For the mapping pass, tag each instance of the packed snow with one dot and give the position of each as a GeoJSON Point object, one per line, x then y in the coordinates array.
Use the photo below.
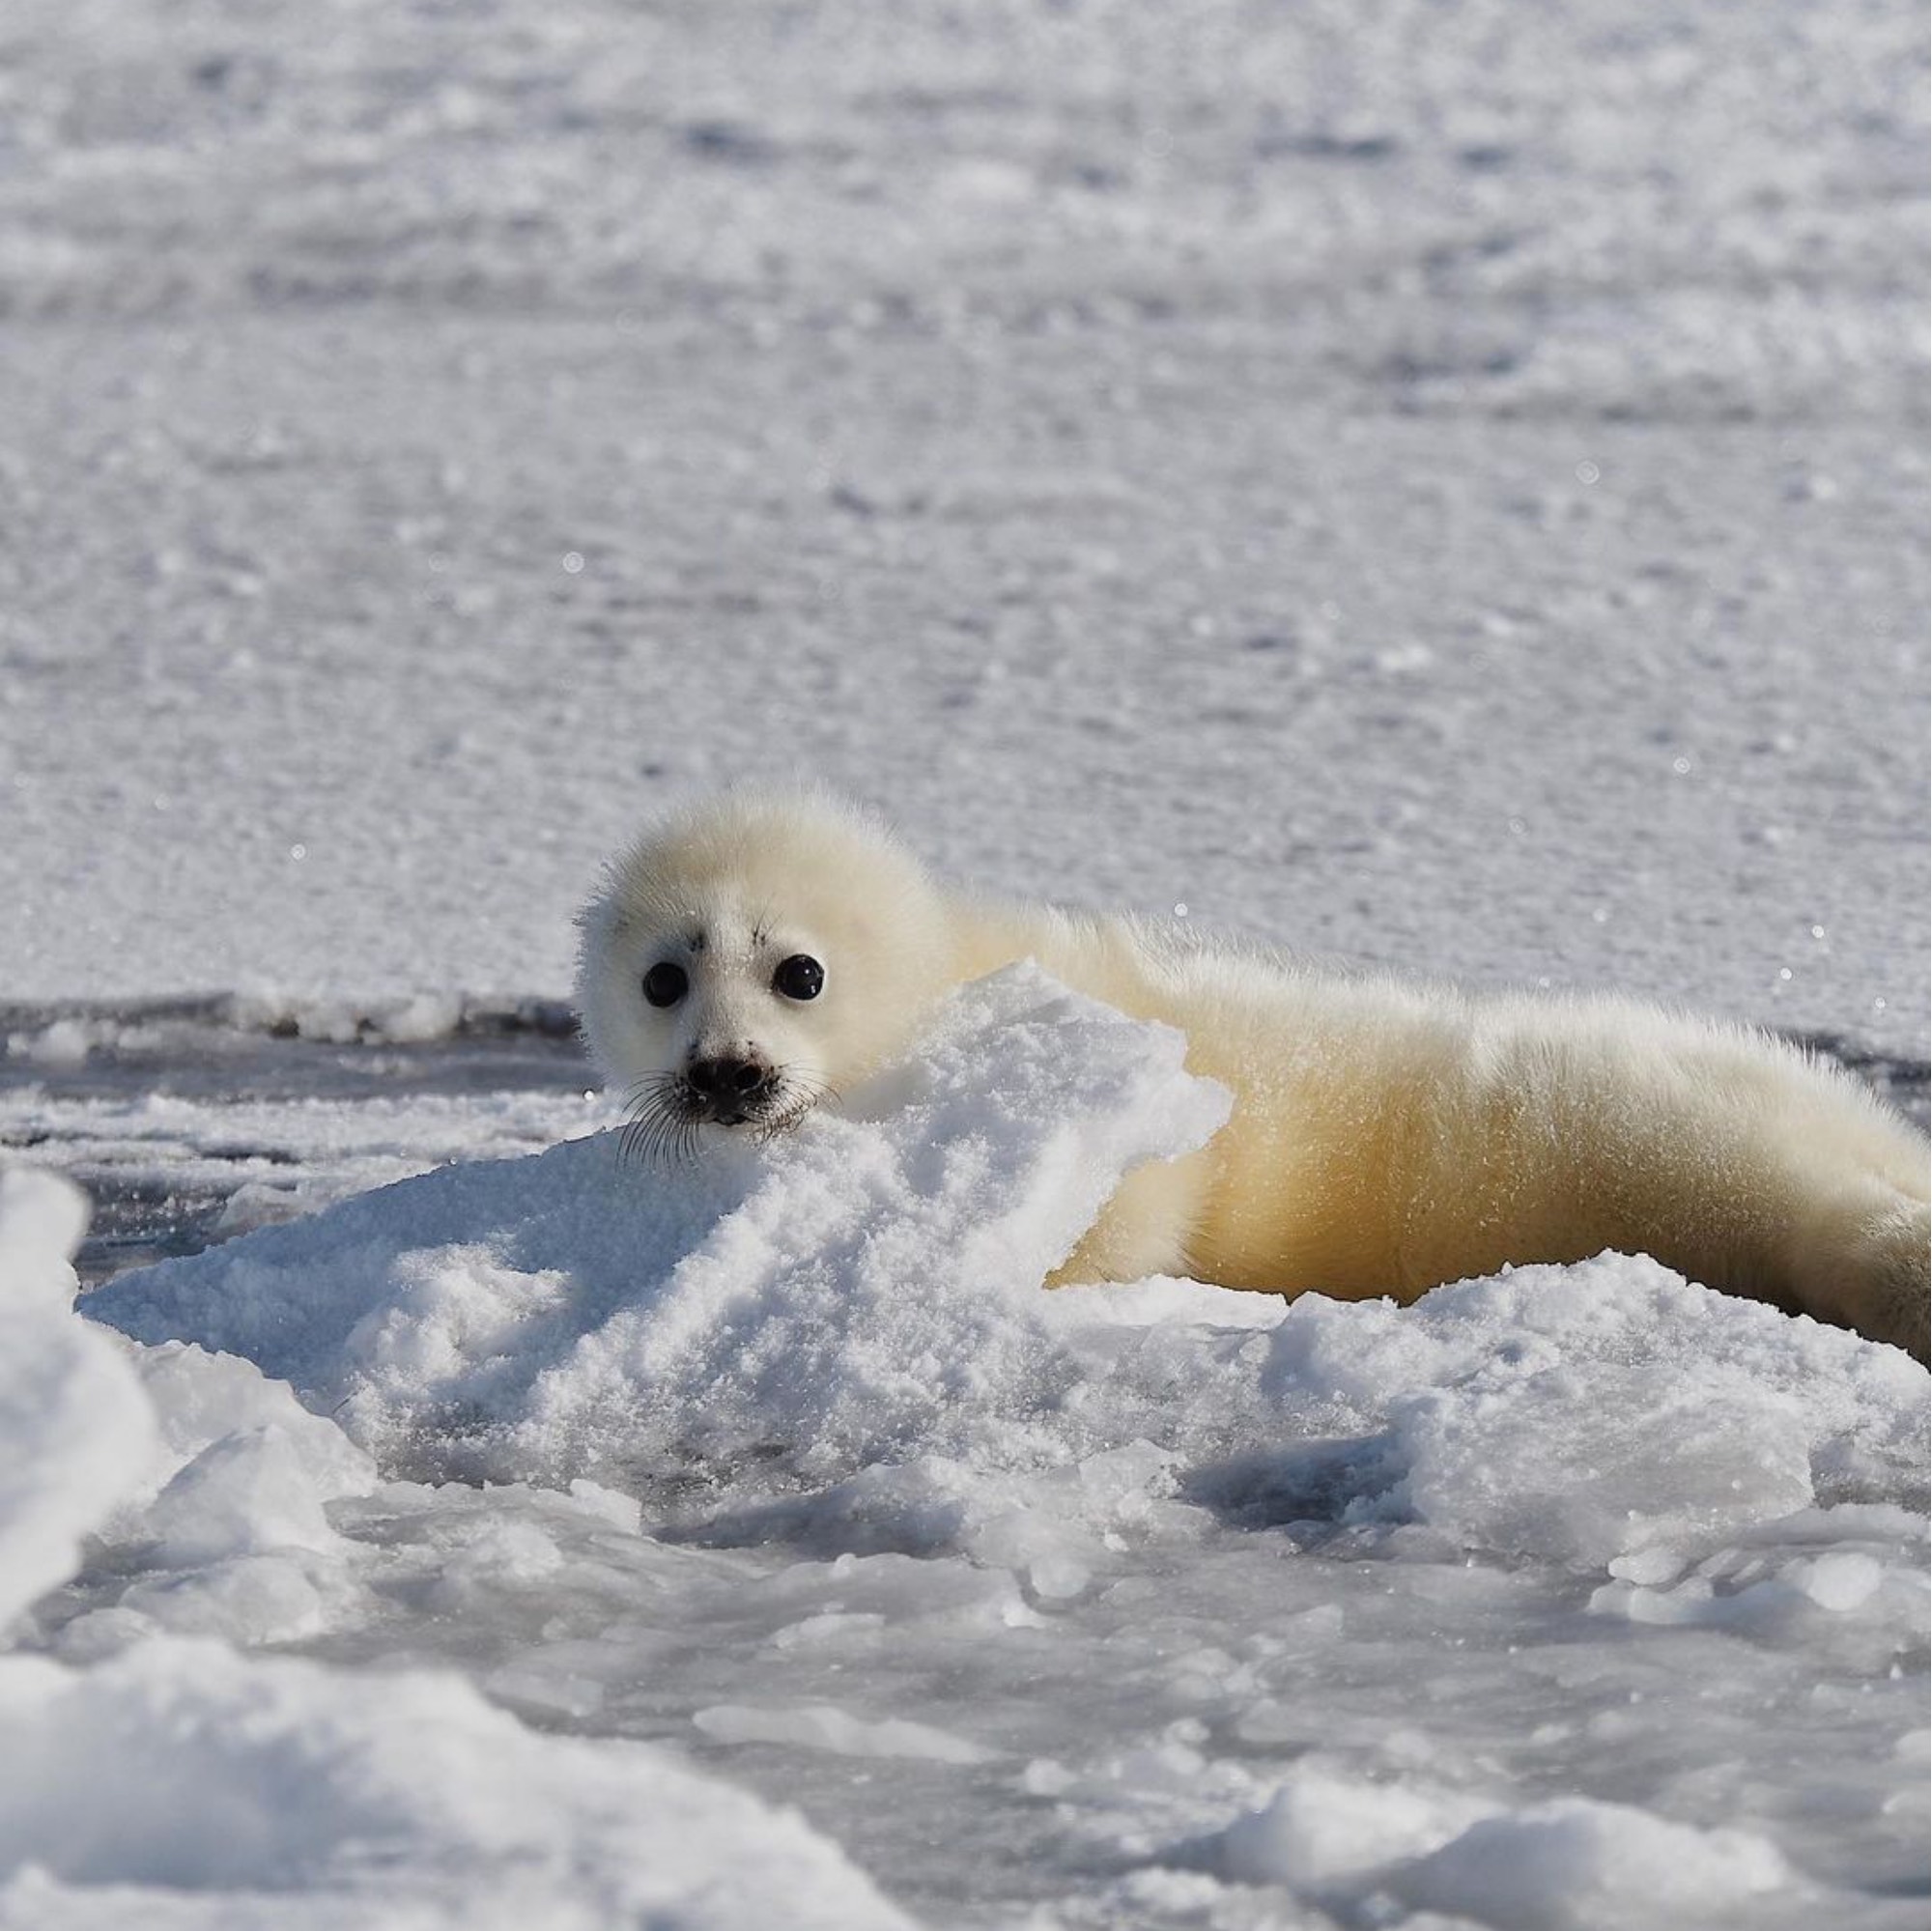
{"type": "Point", "coordinates": [1442, 484]}
{"type": "Point", "coordinates": [179, 1782]}
{"type": "Point", "coordinates": [785, 1458]}
{"type": "Point", "coordinates": [70, 1415]}
{"type": "Point", "coordinates": [182, 1784]}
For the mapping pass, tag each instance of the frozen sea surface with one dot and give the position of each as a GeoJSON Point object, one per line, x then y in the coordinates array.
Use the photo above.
{"type": "Point", "coordinates": [1429, 483]}
{"type": "Point", "coordinates": [1445, 485]}
{"type": "Point", "coordinates": [1577, 1596]}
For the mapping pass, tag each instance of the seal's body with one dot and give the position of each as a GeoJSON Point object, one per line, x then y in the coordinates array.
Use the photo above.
{"type": "Point", "coordinates": [751, 956]}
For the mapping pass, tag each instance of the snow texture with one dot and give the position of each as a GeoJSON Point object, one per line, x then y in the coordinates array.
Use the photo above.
{"type": "Point", "coordinates": [185, 1785]}
{"type": "Point", "coordinates": [75, 1431]}
{"type": "Point", "coordinates": [839, 1345]}
{"type": "Point", "coordinates": [1422, 483]}
{"type": "Point", "coordinates": [1444, 484]}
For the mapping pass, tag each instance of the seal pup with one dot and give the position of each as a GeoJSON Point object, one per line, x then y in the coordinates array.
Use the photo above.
{"type": "Point", "coordinates": [751, 957]}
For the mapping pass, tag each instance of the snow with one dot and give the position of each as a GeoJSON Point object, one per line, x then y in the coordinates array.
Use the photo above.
{"type": "Point", "coordinates": [854, 1286]}
{"type": "Point", "coordinates": [832, 1360]}
{"type": "Point", "coordinates": [1434, 484]}
{"type": "Point", "coordinates": [186, 1784]}
{"type": "Point", "coordinates": [1419, 485]}
{"type": "Point", "coordinates": [77, 1433]}
{"type": "Point", "coordinates": [1564, 1866]}
{"type": "Point", "coordinates": [182, 1784]}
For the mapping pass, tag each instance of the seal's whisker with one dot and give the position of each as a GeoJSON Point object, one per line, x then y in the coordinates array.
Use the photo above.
{"type": "Point", "coordinates": [660, 1128]}
{"type": "Point", "coordinates": [649, 1085]}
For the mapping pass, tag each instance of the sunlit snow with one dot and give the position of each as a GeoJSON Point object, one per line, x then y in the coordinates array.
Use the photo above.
{"type": "Point", "coordinates": [788, 1460]}
{"type": "Point", "coordinates": [1443, 484]}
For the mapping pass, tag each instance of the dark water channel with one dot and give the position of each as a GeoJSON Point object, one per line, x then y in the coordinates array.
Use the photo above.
{"type": "Point", "coordinates": [82, 1116]}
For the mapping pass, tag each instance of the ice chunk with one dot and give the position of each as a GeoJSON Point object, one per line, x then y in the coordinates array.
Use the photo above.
{"type": "Point", "coordinates": [1580, 1413]}
{"type": "Point", "coordinates": [1575, 1864]}
{"type": "Point", "coordinates": [818, 1726]}
{"type": "Point", "coordinates": [76, 1434]}
{"type": "Point", "coordinates": [1322, 1833]}
{"type": "Point", "coordinates": [865, 1284]}
{"type": "Point", "coordinates": [1568, 1864]}
{"type": "Point", "coordinates": [247, 1492]}
{"type": "Point", "coordinates": [183, 1785]}
{"type": "Point", "coordinates": [228, 1519]}
{"type": "Point", "coordinates": [201, 1399]}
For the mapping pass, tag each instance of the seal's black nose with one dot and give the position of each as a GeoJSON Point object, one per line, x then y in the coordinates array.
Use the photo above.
{"type": "Point", "coordinates": [727, 1079]}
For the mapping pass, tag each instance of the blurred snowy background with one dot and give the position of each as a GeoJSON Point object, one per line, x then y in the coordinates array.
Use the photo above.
{"type": "Point", "coordinates": [1444, 483]}
{"type": "Point", "coordinates": [1441, 482]}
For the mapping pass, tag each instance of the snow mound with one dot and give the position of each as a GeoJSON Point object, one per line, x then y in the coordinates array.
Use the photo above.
{"type": "Point", "coordinates": [1585, 1412]}
{"type": "Point", "coordinates": [868, 1285]}
{"type": "Point", "coordinates": [217, 1474]}
{"type": "Point", "coordinates": [1567, 1865]}
{"type": "Point", "coordinates": [76, 1433]}
{"type": "Point", "coordinates": [181, 1785]}
{"type": "Point", "coordinates": [841, 1340]}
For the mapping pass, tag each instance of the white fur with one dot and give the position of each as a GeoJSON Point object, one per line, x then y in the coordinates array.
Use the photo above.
{"type": "Point", "coordinates": [1388, 1135]}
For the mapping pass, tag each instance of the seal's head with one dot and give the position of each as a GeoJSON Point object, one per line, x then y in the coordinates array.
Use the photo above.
{"type": "Point", "coordinates": [751, 956]}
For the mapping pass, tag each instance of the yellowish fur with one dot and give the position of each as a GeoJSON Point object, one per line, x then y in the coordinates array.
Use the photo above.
{"type": "Point", "coordinates": [1386, 1135]}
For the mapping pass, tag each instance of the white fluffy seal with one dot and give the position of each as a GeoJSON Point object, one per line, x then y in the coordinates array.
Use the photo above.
{"type": "Point", "coordinates": [750, 957]}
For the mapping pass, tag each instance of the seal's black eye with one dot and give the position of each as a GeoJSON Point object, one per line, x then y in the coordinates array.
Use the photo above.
{"type": "Point", "coordinates": [799, 977]}
{"type": "Point", "coordinates": [665, 984]}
